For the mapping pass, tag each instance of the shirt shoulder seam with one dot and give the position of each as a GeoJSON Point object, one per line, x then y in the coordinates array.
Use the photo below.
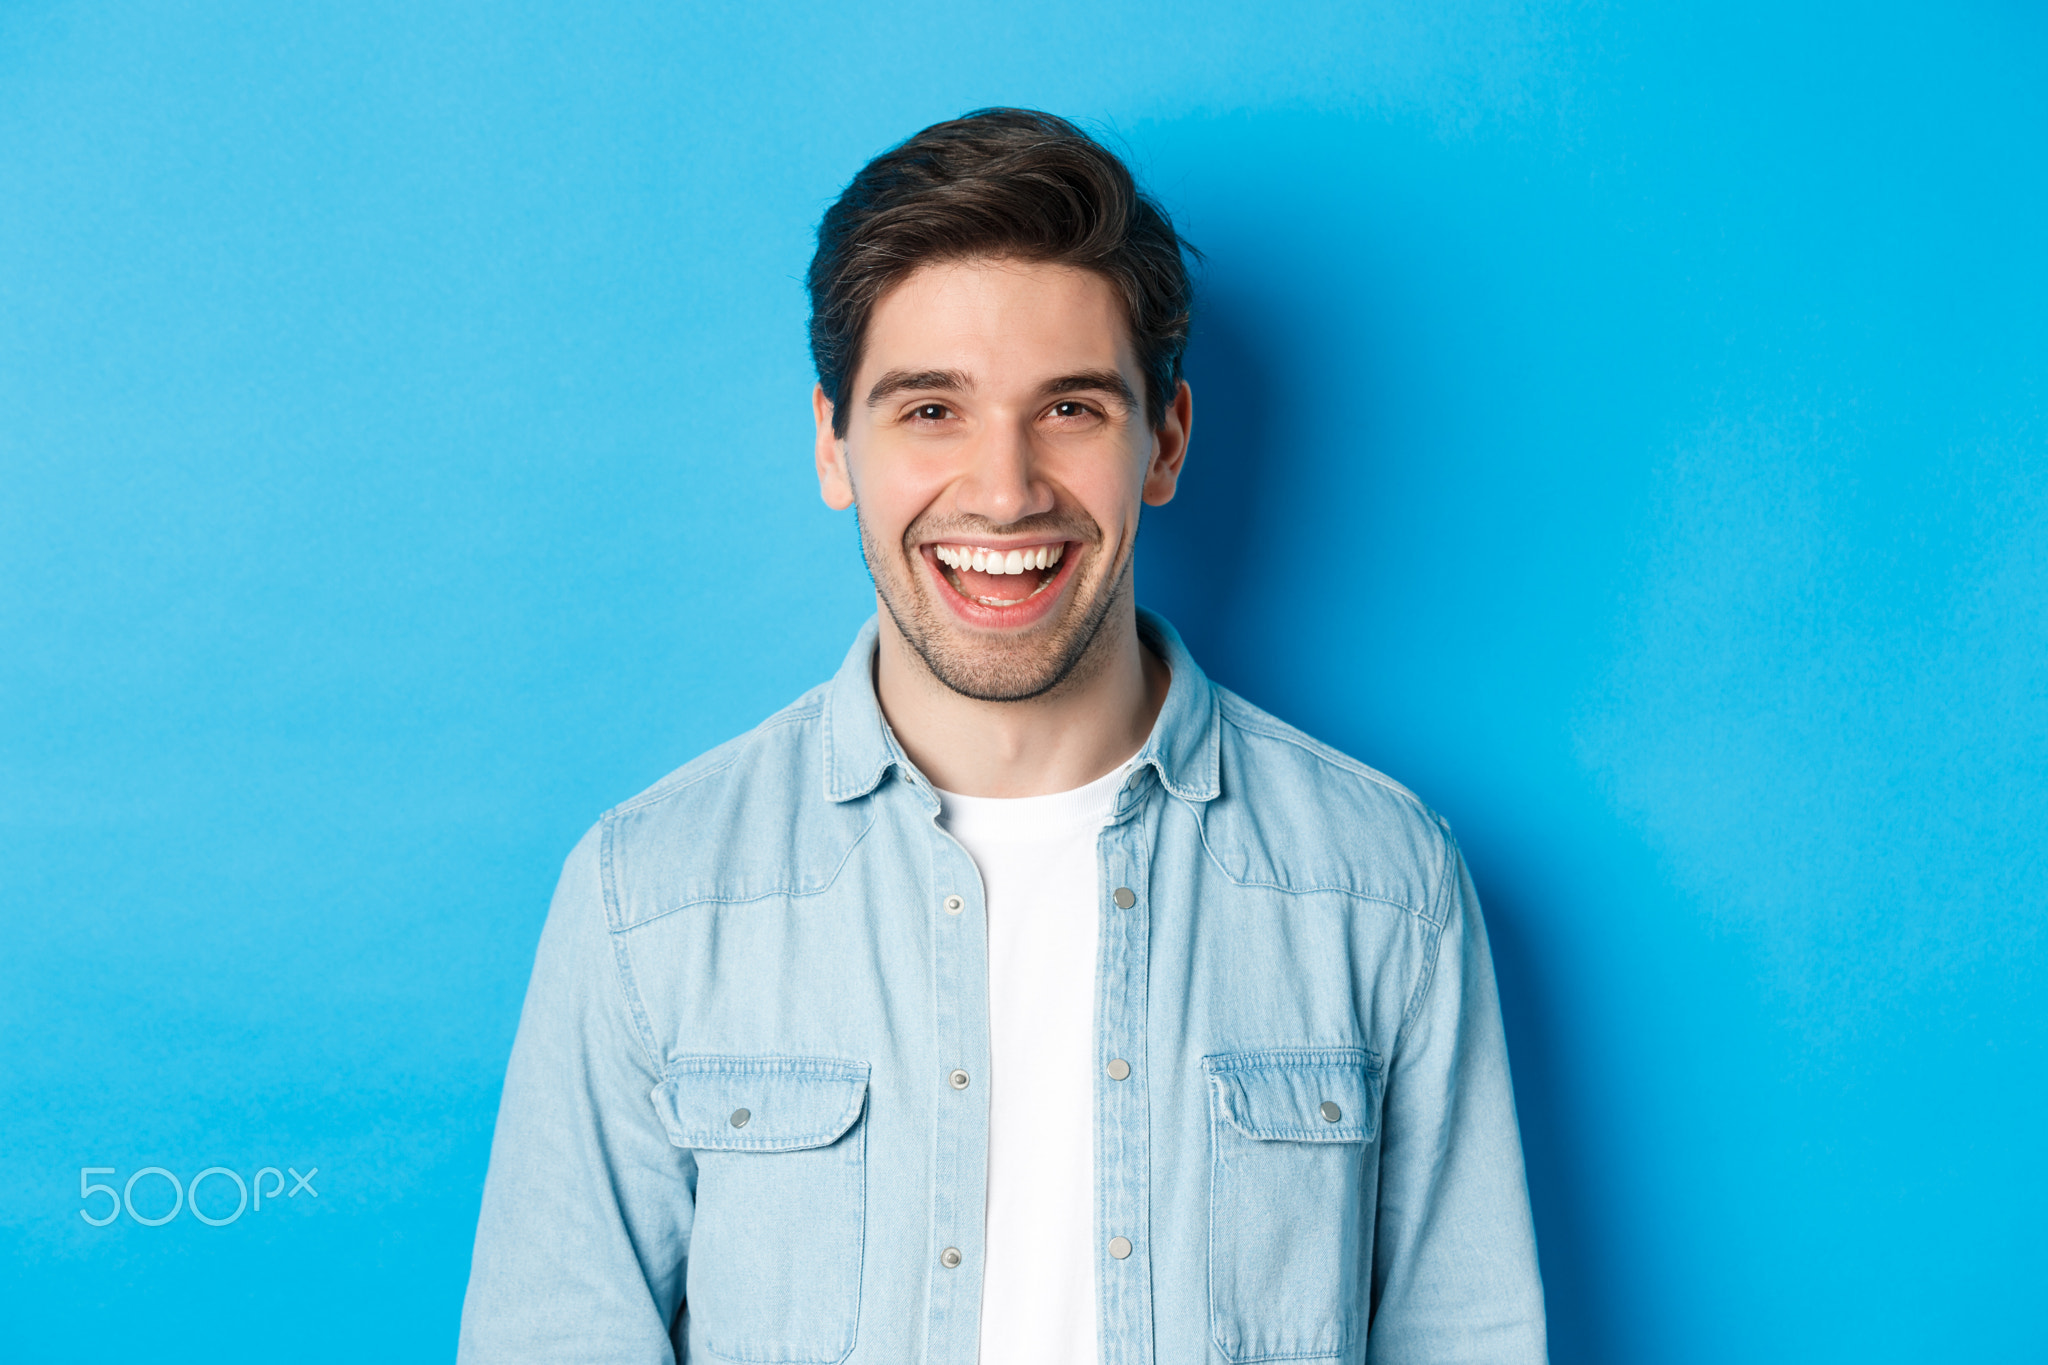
{"type": "Point", "coordinates": [1434, 950]}
{"type": "Point", "coordinates": [622, 966]}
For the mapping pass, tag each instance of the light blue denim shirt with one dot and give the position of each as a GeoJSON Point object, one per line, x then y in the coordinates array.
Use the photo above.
{"type": "Point", "coordinates": [751, 1069]}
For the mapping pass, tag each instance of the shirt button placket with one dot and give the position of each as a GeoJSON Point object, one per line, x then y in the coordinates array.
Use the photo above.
{"type": "Point", "coordinates": [959, 1173]}
{"type": "Point", "coordinates": [1122, 1143]}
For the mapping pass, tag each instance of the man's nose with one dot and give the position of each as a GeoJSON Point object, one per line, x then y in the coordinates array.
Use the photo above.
{"type": "Point", "coordinates": [1001, 482]}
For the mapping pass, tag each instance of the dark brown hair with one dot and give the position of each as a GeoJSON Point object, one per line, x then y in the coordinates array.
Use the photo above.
{"type": "Point", "coordinates": [998, 182]}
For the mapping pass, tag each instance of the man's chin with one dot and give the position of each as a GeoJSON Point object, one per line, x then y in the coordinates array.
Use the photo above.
{"type": "Point", "coordinates": [999, 667]}
{"type": "Point", "coordinates": [987, 671]}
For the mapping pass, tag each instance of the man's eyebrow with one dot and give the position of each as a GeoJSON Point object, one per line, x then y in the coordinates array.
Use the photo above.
{"type": "Point", "coordinates": [1103, 381]}
{"type": "Point", "coordinates": [900, 381]}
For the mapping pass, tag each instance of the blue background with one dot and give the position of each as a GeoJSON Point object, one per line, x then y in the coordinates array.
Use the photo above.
{"type": "Point", "coordinates": [1623, 423]}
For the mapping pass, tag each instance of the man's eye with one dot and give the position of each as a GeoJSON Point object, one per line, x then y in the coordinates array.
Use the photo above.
{"type": "Point", "coordinates": [1070, 409]}
{"type": "Point", "coordinates": [931, 412]}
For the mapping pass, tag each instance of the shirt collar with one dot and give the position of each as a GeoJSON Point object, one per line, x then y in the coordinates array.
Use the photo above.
{"type": "Point", "coordinates": [1184, 747]}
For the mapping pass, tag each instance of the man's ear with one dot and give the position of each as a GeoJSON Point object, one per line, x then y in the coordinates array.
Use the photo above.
{"type": "Point", "coordinates": [1170, 447]}
{"type": "Point", "coordinates": [835, 480]}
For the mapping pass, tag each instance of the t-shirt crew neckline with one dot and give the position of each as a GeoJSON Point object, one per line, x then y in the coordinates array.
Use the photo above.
{"type": "Point", "coordinates": [1017, 819]}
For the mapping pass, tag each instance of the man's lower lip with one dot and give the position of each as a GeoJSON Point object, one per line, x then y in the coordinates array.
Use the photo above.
{"type": "Point", "coordinates": [1007, 616]}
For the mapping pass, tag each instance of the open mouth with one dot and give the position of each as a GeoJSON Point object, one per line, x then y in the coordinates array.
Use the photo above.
{"type": "Point", "coordinates": [1001, 576]}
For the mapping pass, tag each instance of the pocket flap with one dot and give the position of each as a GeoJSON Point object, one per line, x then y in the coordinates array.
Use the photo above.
{"type": "Point", "coordinates": [1282, 1093]}
{"type": "Point", "coordinates": [760, 1104]}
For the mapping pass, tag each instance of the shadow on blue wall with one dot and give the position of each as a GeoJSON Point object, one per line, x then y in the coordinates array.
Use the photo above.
{"type": "Point", "coordinates": [1562, 1183]}
{"type": "Point", "coordinates": [1198, 548]}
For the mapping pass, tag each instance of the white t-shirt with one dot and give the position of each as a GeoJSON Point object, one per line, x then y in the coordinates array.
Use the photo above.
{"type": "Point", "coordinates": [1037, 860]}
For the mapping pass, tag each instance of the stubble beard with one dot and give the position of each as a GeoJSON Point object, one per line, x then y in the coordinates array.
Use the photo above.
{"type": "Point", "coordinates": [1065, 655]}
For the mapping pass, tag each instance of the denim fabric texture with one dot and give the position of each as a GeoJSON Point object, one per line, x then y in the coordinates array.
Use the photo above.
{"type": "Point", "coordinates": [734, 1081]}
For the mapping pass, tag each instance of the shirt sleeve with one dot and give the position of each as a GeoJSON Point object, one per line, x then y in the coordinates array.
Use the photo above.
{"type": "Point", "coordinates": [1454, 1262]}
{"type": "Point", "coordinates": [586, 1209]}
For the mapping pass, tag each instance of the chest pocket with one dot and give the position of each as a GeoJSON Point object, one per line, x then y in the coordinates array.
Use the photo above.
{"type": "Point", "coordinates": [775, 1243]}
{"type": "Point", "coordinates": [1288, 1200]}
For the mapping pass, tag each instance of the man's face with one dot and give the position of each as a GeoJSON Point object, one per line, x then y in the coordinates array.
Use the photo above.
{"type": "Point", "coordinates": [997, 452]}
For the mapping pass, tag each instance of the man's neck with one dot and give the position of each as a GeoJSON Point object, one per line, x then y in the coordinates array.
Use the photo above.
{"type": "Point", "coordinates": [1064, 739]}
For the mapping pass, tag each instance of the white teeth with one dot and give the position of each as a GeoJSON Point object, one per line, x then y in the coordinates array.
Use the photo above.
{"type": "Point", "coordinates": [984, 560]}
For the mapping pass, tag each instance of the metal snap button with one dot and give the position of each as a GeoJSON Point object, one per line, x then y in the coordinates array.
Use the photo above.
{"type": "Point", "coordinates": [954, 905]}
{"type": "Point", "coordinates": [950, 1257]}
{"type": "Point", "coordinates": [1124, 897]}
{"type": "Point", "coordinates": [1119, 1069]}
{"type": "Point", "coordinates": [1331, 1113]}
{"type": "Point", "coordinates": [740, 1117]}
{"type": "Point", "coordinates": [1119, 1247]}
{"type": "Point", "coordinates": [959, 1080]}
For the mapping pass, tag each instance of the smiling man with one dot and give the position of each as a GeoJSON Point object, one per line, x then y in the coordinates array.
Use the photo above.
{"type": "Point", "coordinates": [1019, 995]}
